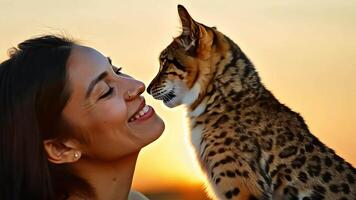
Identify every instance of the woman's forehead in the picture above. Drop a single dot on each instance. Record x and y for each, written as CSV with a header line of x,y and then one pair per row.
x,y
85,56
84,65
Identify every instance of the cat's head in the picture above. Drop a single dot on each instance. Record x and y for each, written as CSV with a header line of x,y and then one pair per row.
x,y
186,65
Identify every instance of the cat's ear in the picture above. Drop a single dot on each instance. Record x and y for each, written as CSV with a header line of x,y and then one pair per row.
x,y
195,37
189,26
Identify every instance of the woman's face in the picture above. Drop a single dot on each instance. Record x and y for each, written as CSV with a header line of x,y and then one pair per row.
x,y
106,110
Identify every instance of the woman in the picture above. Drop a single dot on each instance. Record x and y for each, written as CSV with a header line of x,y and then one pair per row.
x,y
71,124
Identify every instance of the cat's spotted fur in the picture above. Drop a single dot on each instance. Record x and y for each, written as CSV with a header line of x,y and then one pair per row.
x,y
249,144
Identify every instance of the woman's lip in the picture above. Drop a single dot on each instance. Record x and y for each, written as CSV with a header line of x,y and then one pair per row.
x,y
143,103
146,116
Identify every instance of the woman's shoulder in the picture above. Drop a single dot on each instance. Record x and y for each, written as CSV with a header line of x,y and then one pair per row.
x,y
134,195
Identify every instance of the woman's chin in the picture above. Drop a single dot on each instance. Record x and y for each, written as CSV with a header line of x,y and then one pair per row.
x,y
149,131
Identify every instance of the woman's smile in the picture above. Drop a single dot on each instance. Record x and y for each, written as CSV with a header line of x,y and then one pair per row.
x,y
118,107
143,113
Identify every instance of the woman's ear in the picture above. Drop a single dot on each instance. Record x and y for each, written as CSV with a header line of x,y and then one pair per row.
x,y
60,152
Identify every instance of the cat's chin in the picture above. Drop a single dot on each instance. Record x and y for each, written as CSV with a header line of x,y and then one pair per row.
x,y
172,103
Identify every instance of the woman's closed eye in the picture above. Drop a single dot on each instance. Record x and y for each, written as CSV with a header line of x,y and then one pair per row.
x,y
111,89
108,93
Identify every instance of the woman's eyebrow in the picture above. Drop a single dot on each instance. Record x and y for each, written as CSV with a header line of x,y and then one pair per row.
x,y
94,82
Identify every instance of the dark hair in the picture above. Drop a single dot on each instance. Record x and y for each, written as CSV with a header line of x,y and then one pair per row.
x,y
33,92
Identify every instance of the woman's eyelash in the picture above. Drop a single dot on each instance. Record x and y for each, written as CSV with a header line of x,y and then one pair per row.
x,y
108,93
117,70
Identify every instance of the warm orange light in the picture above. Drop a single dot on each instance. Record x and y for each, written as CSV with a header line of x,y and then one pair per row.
x,y
305,53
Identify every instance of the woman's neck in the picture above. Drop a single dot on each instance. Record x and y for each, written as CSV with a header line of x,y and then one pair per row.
x,y
110,180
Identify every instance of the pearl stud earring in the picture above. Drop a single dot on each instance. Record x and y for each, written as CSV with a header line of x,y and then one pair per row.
x,y
76,155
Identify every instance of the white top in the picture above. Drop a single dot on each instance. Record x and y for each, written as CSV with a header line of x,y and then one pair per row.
x,y
134,195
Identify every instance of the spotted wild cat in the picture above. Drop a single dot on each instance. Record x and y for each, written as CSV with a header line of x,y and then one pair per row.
x,y
249,144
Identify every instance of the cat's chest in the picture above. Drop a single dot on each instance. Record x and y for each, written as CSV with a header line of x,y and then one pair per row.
x,y
196,137
196,130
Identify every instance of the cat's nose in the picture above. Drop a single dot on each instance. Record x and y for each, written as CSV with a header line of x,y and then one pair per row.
x,y
149,88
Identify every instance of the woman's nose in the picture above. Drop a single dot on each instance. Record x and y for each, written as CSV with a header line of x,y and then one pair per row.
x,y
136,88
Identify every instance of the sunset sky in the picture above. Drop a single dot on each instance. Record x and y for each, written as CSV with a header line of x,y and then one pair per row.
x,y
305,52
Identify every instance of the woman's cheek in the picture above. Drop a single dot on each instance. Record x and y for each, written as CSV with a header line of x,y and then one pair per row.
x,y
115,111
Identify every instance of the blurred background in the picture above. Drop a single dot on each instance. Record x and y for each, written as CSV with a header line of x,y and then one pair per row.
x,y
305,52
